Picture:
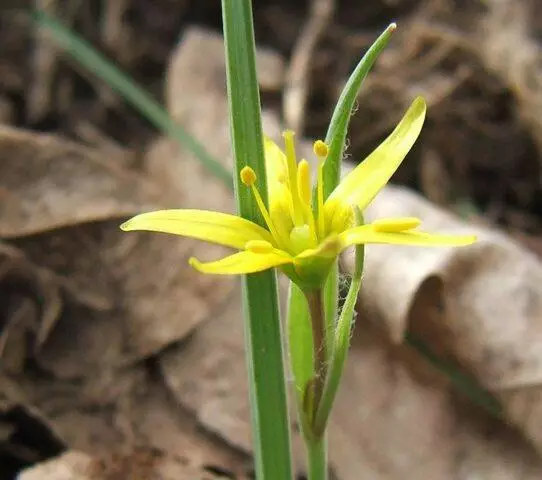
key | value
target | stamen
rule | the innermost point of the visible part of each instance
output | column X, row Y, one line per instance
column 320, row 149
column 259, row 246
column 304, row 181
column 248, row 177
column 396, row 225
column 292, row 176
column 320, row 199
column 305, row 194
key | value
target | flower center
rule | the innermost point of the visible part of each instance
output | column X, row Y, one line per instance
column 298, row 227
column 301, row 239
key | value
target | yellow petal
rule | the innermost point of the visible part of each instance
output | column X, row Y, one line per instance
column 361, row 185
column 330, row 248
column 215, row 227
column 275, row 168
column 242, row 262
column 368, row 234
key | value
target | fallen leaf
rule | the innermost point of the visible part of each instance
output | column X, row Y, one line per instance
column 140, row 464
column 485, row 315
column 62, row 205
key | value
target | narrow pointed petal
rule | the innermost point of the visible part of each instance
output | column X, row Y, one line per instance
column 242, row 262
column 214, row 227
column 361, row 185
column 368, row 234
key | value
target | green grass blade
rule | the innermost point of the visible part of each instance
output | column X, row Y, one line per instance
column 336, row 138
column 270, row 421
column 465, row 384
column 135, row 95
column 338, row 126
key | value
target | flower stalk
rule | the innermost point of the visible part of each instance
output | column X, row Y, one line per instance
column 317, row 316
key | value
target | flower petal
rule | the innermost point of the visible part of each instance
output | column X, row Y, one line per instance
column 361, row 185
column 368, row 234
column 242, row 262
column 215, row 227
column 275, row 165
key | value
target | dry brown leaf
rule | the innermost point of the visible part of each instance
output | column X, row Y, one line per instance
column 137, row 411
column 397, row 419
column 62, row 205
column 140, row 464
column 47, row 182
column 485, row 313
column 390, row 420
column 27, row 289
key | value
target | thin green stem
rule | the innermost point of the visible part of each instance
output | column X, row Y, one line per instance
column 317, row 460
column 263, row 336
column 317, row 315
column 341, row 341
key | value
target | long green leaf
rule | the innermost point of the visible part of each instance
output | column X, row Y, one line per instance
column 338, row 126
column 270, row 421
column 336, row 139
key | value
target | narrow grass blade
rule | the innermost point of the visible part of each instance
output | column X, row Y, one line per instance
column 336, row 138
column 338, row 127
column 270, row 422
column 135, row 95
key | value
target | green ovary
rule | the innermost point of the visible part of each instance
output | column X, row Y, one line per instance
column 300, row 239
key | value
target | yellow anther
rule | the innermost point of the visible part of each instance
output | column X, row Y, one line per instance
column 304, row 182
column 396, row 225
column 248, row 176
column 320, row 149
column 259, row 246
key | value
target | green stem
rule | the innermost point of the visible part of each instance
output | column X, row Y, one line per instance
column 317, row 315
column 341, row 343
column 317, row 460
column 263, row 337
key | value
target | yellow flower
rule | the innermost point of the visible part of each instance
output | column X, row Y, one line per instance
column 303, row 239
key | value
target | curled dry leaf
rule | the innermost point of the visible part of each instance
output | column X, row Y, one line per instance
column 483, row 311
column 114, row 296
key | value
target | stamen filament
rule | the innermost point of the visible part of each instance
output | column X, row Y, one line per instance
column 320, row 199
column 292, row 177
column 321, row 150
column 248, row 177
column 304, row 182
